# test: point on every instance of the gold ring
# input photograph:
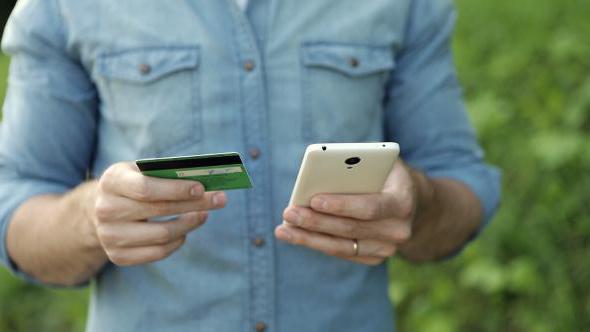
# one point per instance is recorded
(355, 247)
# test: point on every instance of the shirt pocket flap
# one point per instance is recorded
(147, 65)
(351, 60)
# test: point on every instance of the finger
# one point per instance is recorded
(142, 255)
(125, 179)
(375, 248)
(330, 224)
(209, 201)
(401, 184)
(366, 260)
(388, 230)
(357, 206)
(331, 245)
(134, 234)
(119, 208)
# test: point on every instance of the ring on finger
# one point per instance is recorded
(355, 247)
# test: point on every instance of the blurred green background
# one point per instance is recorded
(525, 66)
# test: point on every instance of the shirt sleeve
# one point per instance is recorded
(425, 112)
(47, 134)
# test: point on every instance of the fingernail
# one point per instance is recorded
(196, 191)
(320, 203)
(284, 234)
(218, 199)
(293, 217)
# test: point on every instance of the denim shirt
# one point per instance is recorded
(95, 82)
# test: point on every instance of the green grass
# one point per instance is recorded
(525, 66)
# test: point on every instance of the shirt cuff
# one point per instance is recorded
(483, 180)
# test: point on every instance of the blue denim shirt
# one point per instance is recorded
(94, 82)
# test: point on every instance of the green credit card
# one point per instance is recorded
(218, 171)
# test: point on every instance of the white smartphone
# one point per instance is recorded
(343, 168)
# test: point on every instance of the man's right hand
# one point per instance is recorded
(125, 199)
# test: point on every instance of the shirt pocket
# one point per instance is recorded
(343, 86)
(152, 96)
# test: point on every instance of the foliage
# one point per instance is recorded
(25, 307)
(525, 66)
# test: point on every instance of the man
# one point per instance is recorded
(97, 84)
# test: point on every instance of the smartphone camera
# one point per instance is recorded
(352, 161)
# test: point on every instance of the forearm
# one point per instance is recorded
(52, 238)
(447, 215)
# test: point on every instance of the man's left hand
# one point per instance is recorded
(363, 228)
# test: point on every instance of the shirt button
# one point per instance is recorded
(144, 69)
(249, 65)
(260, 327)
(354, 62)
(254, 153)
(258, 242)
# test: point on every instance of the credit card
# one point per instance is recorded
(218, 171)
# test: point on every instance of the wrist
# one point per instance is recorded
(424, 195)
(88, 212)
(83, 200)
(424, 214)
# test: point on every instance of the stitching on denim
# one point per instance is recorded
(143, 49)
(383, 58)
(104, 59)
